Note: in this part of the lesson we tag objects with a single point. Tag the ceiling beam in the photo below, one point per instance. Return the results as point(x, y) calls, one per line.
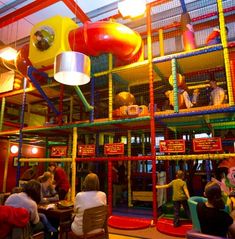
point(38, 5)
point(25, 11)
point(11, 5)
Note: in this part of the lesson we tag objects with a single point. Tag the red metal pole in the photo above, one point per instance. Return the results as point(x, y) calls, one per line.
point(110, 185)
point(152, 121)
point(232, 67)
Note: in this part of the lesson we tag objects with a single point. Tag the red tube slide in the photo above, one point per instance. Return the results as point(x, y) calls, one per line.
point(101, 37)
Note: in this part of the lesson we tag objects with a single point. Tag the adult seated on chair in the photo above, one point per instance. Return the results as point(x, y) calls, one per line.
point(29, 174)
point(12, 217)
point(213, 219)
point(28, 199)
point(90, 197)
point(48, 192)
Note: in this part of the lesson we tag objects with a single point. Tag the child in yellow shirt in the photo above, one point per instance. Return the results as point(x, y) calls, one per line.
point(179, 197)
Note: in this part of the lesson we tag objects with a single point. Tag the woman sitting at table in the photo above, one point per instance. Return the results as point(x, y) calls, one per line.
point(28, 199)
point(32, 190)
point(48, 192)
point(88, 198)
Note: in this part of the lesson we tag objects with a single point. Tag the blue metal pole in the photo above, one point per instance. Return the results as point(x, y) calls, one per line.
point(183, 5)
point(39, 88)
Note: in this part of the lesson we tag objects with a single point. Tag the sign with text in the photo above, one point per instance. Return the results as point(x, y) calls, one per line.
point(86, 150)
point(172, 146)
point(113, 149)
point(59, 151)
point(207, 144)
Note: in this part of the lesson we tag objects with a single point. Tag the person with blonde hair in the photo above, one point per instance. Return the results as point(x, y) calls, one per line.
point(48, 195)
point(88, 198)
point(48, 192)
point(180, 195)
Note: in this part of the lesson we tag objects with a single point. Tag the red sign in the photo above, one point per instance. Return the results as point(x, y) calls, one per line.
point(207, 144)
point(112, 149)
point(172, 146)
point(86, 150)
point(59, 151)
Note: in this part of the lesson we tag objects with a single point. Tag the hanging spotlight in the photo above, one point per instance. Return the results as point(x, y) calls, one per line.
point(72, 68)
point(8, 53)
point(14, 149)
point(132, 8)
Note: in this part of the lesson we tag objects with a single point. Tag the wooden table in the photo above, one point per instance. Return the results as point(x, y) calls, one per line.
point(62, 215)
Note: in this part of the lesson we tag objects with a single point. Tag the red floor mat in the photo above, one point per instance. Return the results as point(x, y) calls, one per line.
point(128, 223)
point(165, 225)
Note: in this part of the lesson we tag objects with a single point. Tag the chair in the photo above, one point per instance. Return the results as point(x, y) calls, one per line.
point(25, 233)
point(94, 218)
point(38, 235)
point(194, 234)
point(192, 203)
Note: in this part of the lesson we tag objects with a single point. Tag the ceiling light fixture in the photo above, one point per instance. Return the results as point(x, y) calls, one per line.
point(8, 53)
point(132, 8)
point(72, 68)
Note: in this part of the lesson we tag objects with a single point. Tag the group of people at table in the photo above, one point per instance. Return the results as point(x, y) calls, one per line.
point(50, 187)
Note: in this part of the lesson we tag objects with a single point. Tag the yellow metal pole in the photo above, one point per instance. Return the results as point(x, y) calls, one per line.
point(6, 167)
point(223, 35)
point(45, 160)
point(110, 88)
point(196, 156)
point(2, 112)
point(73, 166)
point(129, 168)
point(161, 42)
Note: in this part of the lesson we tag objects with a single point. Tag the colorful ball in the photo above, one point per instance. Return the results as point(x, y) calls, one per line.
point(124, 99)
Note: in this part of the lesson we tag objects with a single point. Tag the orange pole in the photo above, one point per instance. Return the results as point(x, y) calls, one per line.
point(232, 67)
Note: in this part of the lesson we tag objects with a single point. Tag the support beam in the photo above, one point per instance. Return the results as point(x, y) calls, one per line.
point(38, 5)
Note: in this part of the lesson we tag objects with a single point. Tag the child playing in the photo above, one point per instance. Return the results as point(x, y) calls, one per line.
point(179, 196)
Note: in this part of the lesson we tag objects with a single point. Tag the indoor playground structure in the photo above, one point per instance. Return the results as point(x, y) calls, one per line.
point(145, 102)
